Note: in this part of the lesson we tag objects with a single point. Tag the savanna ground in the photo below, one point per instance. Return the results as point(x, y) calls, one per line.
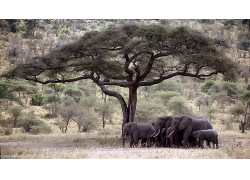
point(107, 144)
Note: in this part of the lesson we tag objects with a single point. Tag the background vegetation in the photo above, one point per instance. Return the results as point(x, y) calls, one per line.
point(31, 108)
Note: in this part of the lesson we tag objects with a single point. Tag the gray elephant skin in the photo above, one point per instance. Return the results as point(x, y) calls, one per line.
point(138, 131)
point(208, 135)
point(186, 124)
point(161, 122)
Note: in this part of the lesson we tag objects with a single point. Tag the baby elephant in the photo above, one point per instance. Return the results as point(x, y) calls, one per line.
point(208, 135)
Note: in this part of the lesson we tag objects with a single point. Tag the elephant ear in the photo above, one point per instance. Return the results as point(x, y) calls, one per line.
point(184, 122)
point(133, 127)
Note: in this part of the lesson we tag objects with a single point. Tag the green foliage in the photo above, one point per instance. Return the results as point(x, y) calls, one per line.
point(165, 96)
point(237, 110)
point(146, 111)
point(207, 85)
point(42, 128)
point(15, 111)
point(168, 85)
point(37, 100)
point(178, 105)
point(28, 120)
point(73, 92)
point(105, 111)
point(211, 111)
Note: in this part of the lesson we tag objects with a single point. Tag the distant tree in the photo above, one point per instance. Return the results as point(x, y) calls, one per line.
point(245, 97)
point(202, 101)
point(105, 111)
point(237, 110)
point(29, 120)
point(210, 112)
point(67, 113)
point(15, 111)
point(37, 100)
point(207, 85)
point(130, 56)
point(178, 105)
point(147, 111)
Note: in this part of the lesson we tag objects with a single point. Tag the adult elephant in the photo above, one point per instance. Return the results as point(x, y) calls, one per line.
point(161, 122)
point(186, 125)
point(138, 131)
point(174, 140)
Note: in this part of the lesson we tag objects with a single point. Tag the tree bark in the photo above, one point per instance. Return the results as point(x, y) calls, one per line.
point(132, 102)
point(125, 109)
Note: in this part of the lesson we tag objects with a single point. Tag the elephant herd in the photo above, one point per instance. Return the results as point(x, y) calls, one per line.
point(171, 131)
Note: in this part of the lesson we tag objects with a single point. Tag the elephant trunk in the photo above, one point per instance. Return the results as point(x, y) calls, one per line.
point(123, 141)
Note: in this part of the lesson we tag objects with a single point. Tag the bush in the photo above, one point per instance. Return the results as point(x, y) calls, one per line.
point(27, 121)
point(8, 131)
point(37, 100)
point(207, 85)
point(237, 110)
point(43, 128)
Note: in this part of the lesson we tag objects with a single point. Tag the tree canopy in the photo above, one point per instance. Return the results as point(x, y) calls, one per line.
point(130, 56)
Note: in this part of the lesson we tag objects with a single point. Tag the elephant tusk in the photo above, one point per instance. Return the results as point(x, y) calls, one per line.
point(124, 136)
point(157, 133)
point(171, 133)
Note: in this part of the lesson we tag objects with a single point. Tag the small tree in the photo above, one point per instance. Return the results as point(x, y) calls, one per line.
point(178, 105)
point(15, 111)
point(27, 120)
point(106, 111)
point(210, 112)
point(37, 100)
point(237, 110)
point(67, 113)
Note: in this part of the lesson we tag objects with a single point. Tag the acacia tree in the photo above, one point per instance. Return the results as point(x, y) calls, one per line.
point(130, 56)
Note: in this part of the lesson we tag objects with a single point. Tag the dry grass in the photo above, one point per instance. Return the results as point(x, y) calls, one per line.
point(108, 145)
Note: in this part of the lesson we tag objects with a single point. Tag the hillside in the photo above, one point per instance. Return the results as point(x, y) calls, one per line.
point(192, 96)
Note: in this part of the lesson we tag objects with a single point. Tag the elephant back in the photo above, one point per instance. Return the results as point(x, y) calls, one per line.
point(145, 126)
point(201, 123)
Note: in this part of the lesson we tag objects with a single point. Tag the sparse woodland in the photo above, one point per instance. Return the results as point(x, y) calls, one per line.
point(71, 111)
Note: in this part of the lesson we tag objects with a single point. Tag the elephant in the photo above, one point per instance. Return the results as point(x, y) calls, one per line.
point(186, 125)
point(174, 140)
point(161, 122)
point(208, 135)
point(138, 131)
point(163, 137)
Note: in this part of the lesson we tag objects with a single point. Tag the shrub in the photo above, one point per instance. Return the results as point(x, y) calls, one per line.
point(27, 121)
point(37, 100)
point(207, 85)
point(237, 110)
point(43, 128)
point(8, 131)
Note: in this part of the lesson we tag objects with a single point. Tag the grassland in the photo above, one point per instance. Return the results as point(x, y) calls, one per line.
point(100, 145)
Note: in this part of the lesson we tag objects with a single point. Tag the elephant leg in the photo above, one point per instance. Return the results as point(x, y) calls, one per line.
point(148, 141)
point(201, 142)
point(185, 138)
point(208, 144)
point(143, 143)
point(131, 141)
point(135, 137)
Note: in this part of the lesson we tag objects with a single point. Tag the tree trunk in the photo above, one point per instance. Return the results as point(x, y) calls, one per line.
point(132, 102)
point(125, 109)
